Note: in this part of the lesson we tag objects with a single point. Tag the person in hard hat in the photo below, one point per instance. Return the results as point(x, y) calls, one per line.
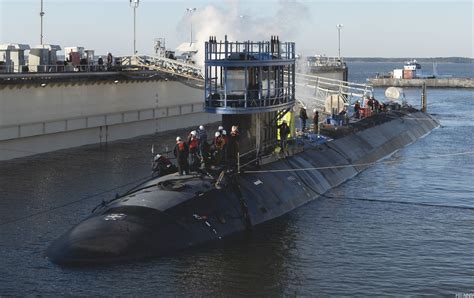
point(219, 145)
point(193, 145)
point(226, 144)
point(284, 132)
point(181, 153)
point(233, 145)
point(162, 166)
point(100, 62)
point(202, 139)
point(315, 120)
point(303, 118)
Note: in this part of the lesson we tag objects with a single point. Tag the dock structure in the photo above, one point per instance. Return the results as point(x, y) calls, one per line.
point(58, 107)
point(432, 83)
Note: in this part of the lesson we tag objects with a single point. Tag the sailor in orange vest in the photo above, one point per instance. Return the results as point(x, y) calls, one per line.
point(193, 144)
point(181, 153)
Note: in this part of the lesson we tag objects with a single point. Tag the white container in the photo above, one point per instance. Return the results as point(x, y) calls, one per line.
point(398, 73)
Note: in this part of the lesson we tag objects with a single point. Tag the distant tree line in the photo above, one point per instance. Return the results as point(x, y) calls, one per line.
point(421, 60)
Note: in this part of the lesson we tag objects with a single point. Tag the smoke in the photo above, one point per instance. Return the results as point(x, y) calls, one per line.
point(238, 25)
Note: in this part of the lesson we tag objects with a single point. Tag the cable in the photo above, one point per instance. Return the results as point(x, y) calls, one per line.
point(72, 202)
point(396, 202)
point(357, 165)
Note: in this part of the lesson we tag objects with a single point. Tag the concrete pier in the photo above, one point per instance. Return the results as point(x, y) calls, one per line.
point(432, 83)
point(47, 115)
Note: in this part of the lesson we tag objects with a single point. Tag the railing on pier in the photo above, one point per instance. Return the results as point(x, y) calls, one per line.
point(323, 61)
point(163, 64)
point(54, 68)
point(316, 90)
point(121, 63)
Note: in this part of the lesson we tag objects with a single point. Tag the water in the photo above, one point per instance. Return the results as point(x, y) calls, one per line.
point(402, 228)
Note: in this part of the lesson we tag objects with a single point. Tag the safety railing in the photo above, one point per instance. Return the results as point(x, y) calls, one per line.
point(163, 64)
point(98, 120)
point(54, 68)
point(323, 61)
point(322, 87)
point(260, 50)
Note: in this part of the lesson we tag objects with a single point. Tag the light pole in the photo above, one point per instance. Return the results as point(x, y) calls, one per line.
point(134, 5)
point(41, 17)
point(190, 12)
point(339, 26)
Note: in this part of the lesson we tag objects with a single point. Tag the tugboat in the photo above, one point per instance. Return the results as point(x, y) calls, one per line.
point(252, 85)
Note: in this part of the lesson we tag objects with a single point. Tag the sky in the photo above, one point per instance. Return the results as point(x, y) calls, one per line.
point(383, 28)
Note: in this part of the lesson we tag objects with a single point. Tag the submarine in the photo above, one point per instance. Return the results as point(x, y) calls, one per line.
point(252, 84)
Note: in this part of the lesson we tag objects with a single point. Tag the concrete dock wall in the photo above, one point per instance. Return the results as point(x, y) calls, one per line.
point(35, 119)
point(434, 83)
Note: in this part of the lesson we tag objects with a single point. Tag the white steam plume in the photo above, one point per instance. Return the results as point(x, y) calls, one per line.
point(213, 20)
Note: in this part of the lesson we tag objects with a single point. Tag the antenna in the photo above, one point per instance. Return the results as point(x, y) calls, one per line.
point(339, 27)
point(190, 11)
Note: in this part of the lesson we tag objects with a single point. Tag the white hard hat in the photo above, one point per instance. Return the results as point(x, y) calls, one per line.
point(201, 127)
point(314, 110)
point(224, 132)
point(220, 127)
point(178, 139)
point(217, 134)
point(235, 128)
point(157, 156)
point(193, 132)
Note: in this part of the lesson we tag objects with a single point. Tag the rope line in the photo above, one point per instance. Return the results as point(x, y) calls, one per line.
point(286, 170)
point(398, 202)
point(356, 165)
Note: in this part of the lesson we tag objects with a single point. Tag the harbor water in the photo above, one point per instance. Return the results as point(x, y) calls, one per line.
point(403, 227)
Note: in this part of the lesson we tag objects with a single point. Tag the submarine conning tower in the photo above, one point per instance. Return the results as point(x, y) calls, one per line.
point(252, 84)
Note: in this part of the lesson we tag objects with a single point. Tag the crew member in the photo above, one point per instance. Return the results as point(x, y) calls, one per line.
point(233, 147)
point(202, 139)
point(315, 120)
point(100, 61)
point(193, 150)
point(109, 61)
point(303, 117)
point(162, 166)
point(284, 132)
point(357, 110)
point(219, 145)
point(181, 153)
point(226, 144)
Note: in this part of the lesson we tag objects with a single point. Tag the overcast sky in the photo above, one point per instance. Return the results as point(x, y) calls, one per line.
point(415, 28)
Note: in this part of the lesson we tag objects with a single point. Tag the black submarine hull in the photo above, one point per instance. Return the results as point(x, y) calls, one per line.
point(170, 213)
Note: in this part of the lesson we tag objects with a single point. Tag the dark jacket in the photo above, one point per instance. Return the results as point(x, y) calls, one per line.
point(284, 131)
point(303, 114)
